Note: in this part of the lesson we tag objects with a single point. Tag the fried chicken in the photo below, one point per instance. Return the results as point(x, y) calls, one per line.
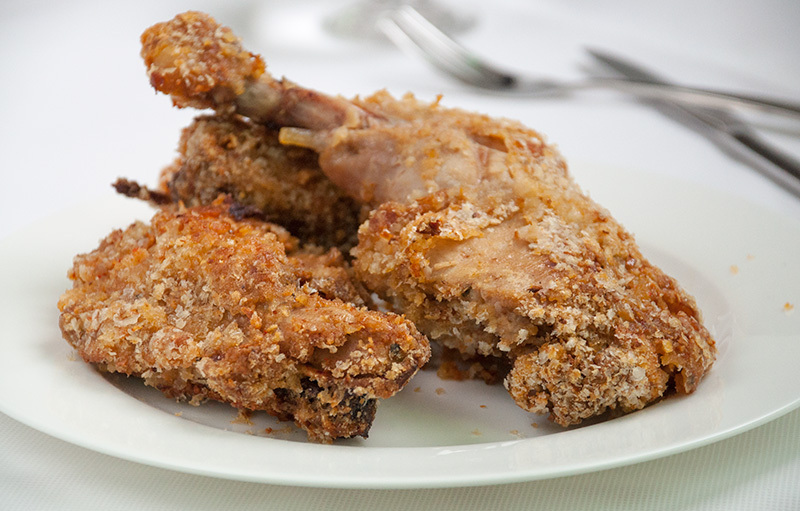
point(233, 156)
point(479, 234)
point(202, 305)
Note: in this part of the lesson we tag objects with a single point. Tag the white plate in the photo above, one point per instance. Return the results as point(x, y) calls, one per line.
point(435, 433)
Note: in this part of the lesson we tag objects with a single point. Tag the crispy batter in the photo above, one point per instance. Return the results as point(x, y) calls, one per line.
point(169, 55)
point(201, 305)
point(233, 156)
point(483, 239)
point(586, 320)
point(201, 64)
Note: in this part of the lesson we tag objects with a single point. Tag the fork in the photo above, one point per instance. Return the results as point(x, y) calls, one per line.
point(412, 32)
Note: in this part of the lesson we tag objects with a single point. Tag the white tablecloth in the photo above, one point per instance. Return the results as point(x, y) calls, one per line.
point(759, 469)
point(77, 113)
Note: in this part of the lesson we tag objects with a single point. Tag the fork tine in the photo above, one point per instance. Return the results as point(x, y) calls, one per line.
point(407, 28)
point(416, 33)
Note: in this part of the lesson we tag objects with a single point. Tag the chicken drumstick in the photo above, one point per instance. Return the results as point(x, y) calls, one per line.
point(479, 234)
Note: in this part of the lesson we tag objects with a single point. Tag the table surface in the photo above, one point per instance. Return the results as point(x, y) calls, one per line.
point(78, 112)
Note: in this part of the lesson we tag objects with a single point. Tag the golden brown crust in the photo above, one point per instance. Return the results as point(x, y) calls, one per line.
point(204, 306)
point(232, 156)
point(201, 63)
point(586, 321)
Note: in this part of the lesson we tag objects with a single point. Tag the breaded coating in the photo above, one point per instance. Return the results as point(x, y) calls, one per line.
point(235, 157)
point(169, 54)
point(201, 305)
point(480, 236)
point(202, 64)
point(587, 323)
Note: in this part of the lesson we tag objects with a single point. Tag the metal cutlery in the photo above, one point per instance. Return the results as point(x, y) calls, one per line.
point(408, 29)
point(721, 126)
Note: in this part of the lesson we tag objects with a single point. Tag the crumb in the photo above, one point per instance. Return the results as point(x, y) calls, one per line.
point(516, 433)
point(280, 431)
point(483, 406)
point(535, 425)
point(750, 257)
point(788, 307)
point(734, 269)
point(417, 389)
point(243, 418)
point(440, 391)
point(476, 432)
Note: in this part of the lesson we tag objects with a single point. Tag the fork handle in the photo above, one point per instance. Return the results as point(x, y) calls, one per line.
point(687, 95)
point(773, 163)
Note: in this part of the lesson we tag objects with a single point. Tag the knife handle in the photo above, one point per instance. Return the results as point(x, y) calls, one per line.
point(764, 157)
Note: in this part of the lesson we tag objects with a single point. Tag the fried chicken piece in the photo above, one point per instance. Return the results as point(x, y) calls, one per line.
point(201, 305)
point(480, 235)
point(587, 321)
point(233, 156)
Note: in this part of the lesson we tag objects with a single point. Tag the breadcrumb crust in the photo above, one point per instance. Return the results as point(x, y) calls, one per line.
point(201, 305)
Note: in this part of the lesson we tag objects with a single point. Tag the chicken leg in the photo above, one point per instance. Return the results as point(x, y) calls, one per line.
point(478, 234)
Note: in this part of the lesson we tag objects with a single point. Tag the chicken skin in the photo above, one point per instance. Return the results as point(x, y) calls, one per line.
point(204, 306)
point(478, 233)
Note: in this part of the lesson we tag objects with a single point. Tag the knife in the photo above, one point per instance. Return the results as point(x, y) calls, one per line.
point(729, 132)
